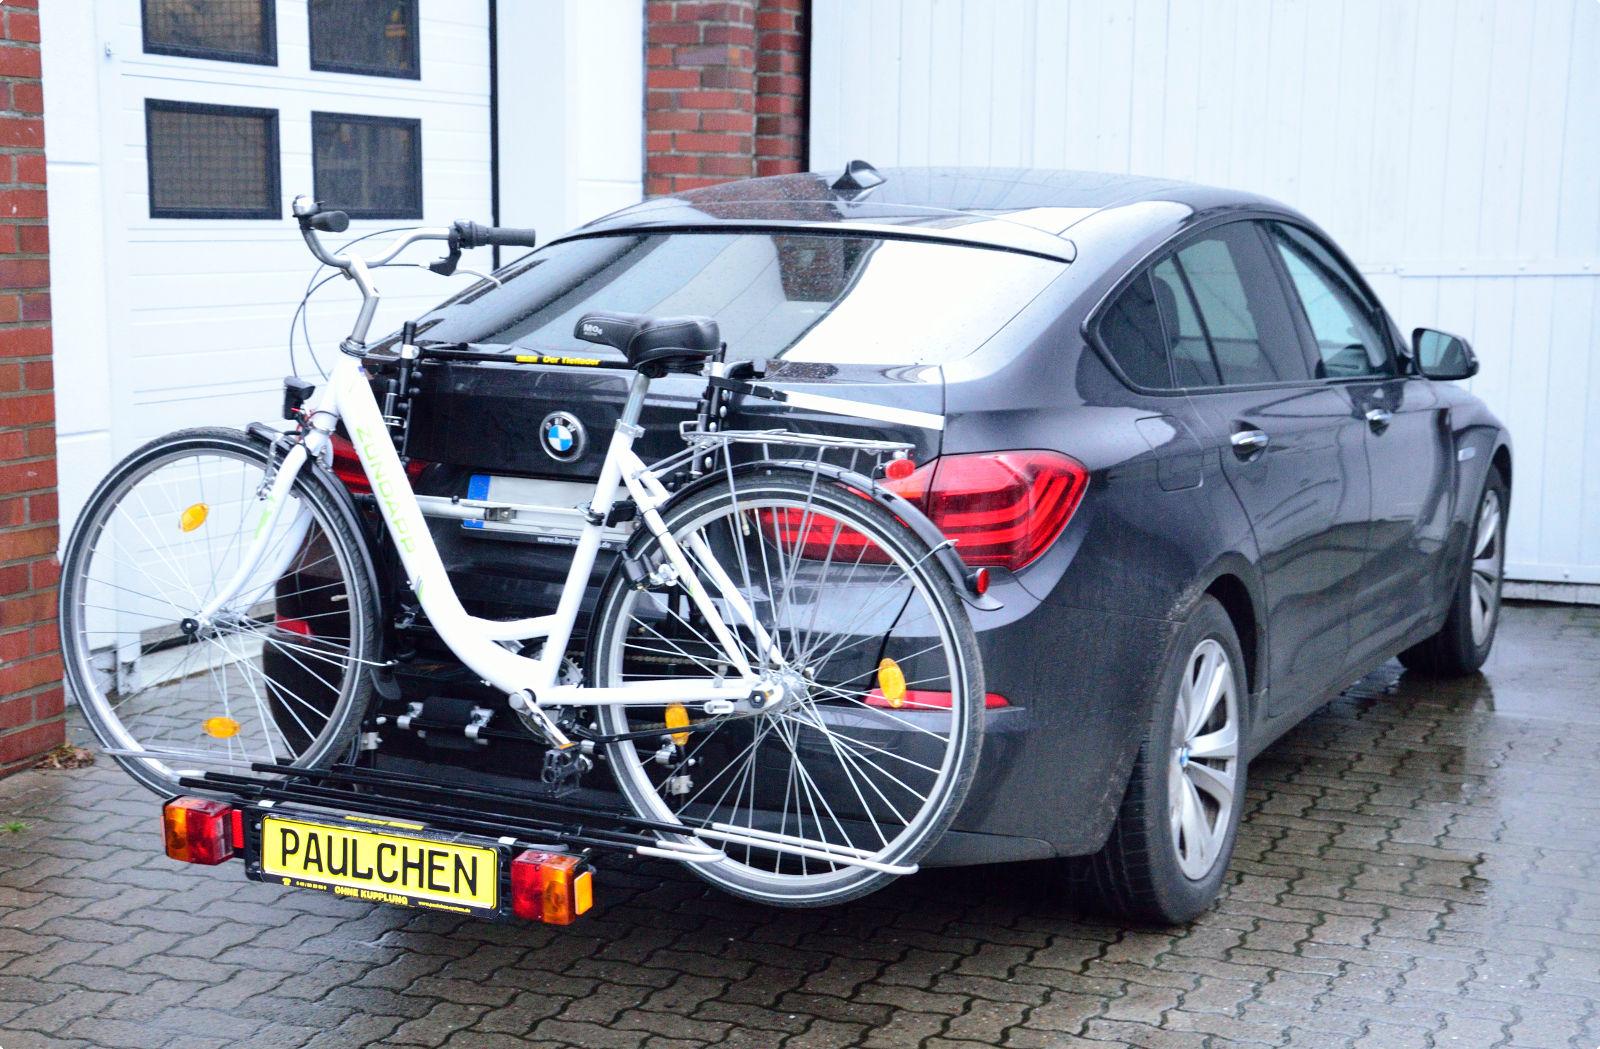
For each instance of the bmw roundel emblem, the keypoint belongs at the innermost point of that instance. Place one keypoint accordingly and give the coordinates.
(562, 436)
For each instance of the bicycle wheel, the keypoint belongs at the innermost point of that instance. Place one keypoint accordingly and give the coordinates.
(870, 751)
(278, 675)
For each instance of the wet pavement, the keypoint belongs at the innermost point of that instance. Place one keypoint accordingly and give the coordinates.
(1416, 868)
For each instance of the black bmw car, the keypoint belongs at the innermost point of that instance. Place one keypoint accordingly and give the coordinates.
(1211, 481)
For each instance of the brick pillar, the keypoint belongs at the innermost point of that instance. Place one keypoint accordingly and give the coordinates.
(725, 91)
(30, 665)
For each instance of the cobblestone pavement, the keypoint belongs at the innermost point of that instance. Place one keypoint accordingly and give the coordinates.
(1416, 869)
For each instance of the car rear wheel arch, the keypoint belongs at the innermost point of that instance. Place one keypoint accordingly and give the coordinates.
(1240, 603)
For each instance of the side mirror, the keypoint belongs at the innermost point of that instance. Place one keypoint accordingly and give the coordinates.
(1440, 355)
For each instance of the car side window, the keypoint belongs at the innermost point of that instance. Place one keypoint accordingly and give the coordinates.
(1349, 341)
(1192, 362)
(1240, 303)
(1131, 331)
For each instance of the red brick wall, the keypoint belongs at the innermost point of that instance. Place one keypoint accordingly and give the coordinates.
(725, 91)
(30, 666)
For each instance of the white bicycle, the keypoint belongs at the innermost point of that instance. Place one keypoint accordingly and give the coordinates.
(779, 669)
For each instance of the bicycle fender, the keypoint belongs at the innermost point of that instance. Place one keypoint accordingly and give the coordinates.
(944, 552)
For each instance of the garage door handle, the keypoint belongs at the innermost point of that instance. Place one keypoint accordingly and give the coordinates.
(1378, 419)
(1247, 443)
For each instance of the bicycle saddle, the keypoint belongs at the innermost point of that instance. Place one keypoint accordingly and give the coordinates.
(654, 345)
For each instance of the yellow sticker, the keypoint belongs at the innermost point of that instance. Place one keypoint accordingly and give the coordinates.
(194, 517)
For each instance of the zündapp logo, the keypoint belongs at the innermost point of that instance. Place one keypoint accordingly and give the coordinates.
(384, 488)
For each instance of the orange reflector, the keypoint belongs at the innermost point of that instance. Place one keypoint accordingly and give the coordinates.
(198, 830)
(918, 699)
(193, 517)
(550, 887)
(678, 717)
(220, 728)
(891, 682)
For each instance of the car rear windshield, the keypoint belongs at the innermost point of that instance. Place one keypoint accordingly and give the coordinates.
(802, 297)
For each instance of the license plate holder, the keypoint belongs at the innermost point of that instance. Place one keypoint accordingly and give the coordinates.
(394, 862)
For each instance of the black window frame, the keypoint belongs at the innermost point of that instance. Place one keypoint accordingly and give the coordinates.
(413, 123)
(1376, 314)
(1169, 248)
(269, 31)
(273, 150)
(356, 69)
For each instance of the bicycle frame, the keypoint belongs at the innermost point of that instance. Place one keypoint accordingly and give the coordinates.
(480, 643)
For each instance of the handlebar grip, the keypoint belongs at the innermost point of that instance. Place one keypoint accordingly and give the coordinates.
(472, 235)
(330, 221)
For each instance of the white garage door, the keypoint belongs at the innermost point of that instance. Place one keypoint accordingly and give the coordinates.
(1451, 146)
(210, 118)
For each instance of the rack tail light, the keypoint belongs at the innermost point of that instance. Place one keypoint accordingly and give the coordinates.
(550, 887)
(199, 830)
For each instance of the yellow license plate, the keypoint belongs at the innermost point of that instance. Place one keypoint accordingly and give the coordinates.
(381, 865)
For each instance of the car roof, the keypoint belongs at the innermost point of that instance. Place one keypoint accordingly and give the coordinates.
(1033, 210)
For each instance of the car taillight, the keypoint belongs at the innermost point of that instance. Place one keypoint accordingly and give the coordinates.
(291, 626)
(347, 467)
(922, 699)
(198, 830)
(1002, 509)
(550, 887)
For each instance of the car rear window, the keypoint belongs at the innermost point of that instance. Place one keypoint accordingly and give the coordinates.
(802, 297)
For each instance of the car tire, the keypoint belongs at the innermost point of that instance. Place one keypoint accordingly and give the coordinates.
(1463, 642)
(1151, 870)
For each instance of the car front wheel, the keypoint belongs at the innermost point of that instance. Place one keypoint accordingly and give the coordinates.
(1169, 849)
(1463, 642)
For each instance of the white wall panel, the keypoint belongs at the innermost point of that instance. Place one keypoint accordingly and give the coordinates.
(1451, 146)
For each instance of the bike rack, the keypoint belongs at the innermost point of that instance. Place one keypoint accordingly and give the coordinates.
(493, 812)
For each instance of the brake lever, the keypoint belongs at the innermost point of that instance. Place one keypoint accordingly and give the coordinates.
(447, 265)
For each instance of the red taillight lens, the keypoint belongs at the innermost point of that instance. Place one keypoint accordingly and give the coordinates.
(292, 626)
(919, 699)
(1003, 509)
(347, 467)
(550, 887)
(198, 830)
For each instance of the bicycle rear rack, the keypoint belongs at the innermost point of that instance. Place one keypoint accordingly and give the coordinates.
(483, 811)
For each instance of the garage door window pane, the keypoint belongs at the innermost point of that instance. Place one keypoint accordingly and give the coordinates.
(212, 161)
(1241, 306)
(224, 30)
(370, 167)
(1132, 333)
(372, 37)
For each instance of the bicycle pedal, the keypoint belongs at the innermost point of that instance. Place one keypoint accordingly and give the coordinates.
(563, 769)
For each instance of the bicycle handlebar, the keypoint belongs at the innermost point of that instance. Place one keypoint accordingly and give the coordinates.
(458, 236)
(472, 235)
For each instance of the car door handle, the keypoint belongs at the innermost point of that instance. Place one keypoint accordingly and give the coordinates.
(1378, 419)
(1248, 443)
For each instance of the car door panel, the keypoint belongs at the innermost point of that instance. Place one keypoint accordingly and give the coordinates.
(1306, 496)
(1404, 431)
(1411, 461)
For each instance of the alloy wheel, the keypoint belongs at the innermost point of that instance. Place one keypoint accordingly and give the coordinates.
(1488, 562)
(1203, 772)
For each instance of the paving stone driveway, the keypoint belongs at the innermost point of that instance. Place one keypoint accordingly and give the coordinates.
(1417, 868)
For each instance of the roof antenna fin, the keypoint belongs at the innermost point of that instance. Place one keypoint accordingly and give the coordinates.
(858, 177)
